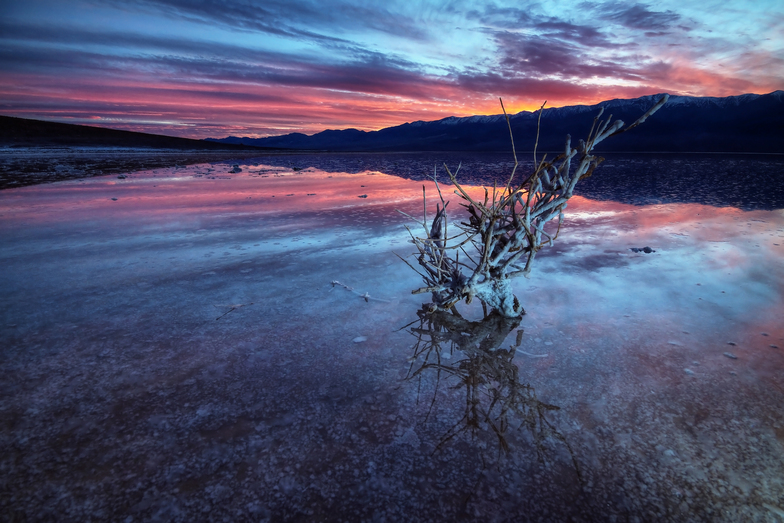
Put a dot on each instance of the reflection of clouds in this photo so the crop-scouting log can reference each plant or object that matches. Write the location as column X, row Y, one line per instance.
column 187, row 193
column 715, row 268
column 722, row 248
column 683, row 222
column 588, row 215
column 287, row 364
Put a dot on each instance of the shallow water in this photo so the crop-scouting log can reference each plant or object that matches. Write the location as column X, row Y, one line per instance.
column 174, row 349
column 744, row 181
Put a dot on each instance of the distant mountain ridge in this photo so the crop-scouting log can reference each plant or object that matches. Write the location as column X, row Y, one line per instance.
column 744, row 123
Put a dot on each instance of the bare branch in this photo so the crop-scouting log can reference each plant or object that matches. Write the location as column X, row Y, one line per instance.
column 507, row 229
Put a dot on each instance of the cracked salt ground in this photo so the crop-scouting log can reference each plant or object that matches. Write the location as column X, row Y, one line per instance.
column 125, row 399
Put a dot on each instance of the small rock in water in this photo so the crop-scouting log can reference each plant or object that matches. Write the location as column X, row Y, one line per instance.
column 646, row 249
column 774, row 346
column 122, row 177
column 689, row 372
column 359, row 339
column 730, row 355
column 235, row 169
column 362, row 196
column 114, row 199
column 731, row 343
column 764, row 333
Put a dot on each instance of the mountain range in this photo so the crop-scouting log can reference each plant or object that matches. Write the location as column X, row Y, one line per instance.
column 744, row 123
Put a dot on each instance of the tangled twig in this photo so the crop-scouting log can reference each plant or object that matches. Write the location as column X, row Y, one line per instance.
column 367, row 297
column 506, row 229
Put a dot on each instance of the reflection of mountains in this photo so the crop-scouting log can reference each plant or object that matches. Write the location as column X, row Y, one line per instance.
column 466, row 355
column 749, row 182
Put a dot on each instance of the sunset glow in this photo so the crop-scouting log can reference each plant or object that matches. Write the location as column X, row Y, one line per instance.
column 218, row 68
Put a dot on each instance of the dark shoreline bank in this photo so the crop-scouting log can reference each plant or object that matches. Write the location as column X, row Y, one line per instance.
column 745, row 181
column 22, row 167
column 37, row 151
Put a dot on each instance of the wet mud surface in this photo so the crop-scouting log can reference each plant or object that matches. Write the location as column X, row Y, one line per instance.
column 22, row 166
column 174, row 349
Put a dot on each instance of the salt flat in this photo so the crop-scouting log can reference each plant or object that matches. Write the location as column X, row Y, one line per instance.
column 174, row 349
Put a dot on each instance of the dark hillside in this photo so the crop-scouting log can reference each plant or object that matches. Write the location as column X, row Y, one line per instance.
column 35, row 151
column 21, row 132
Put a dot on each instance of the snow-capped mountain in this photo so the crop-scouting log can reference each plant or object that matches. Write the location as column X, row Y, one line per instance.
column 745, row 123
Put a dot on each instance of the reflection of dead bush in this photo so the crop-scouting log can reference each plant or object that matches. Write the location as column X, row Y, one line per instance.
column 506, row 228
column 467, row 355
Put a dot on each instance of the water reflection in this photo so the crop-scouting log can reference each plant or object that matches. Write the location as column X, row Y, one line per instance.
column 467, row 356
column 112, row 351
column 745, row 181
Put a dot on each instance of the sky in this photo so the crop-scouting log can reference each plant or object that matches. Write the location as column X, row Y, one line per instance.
column 213, row 68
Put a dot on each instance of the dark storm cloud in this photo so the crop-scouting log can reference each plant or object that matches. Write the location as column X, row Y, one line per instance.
column 145, row 45
column 546, row 55
column 535, row 48
column 504, row 21
column 637, row 16
column 536, row 67
column 300, row 18
column 518, row 19
column 367, row 72
column 130, row 43
column 585, row 35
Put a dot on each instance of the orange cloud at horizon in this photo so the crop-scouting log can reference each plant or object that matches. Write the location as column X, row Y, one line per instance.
column 213, row 110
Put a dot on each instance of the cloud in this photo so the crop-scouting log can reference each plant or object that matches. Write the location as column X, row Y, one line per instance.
column 583, row 34
column 279, row 66
column 518, row 20
column 206, row 71
column 636, row 16
column 546, row 55
column 298, row 18
column 362, row 71
column 131, row 80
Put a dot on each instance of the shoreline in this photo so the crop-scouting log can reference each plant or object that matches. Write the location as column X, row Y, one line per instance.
column 23, row 167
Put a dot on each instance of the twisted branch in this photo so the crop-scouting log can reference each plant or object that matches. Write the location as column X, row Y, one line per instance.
column 509, row 225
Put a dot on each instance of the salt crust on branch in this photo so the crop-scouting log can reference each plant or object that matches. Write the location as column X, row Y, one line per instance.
column 506, row 228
